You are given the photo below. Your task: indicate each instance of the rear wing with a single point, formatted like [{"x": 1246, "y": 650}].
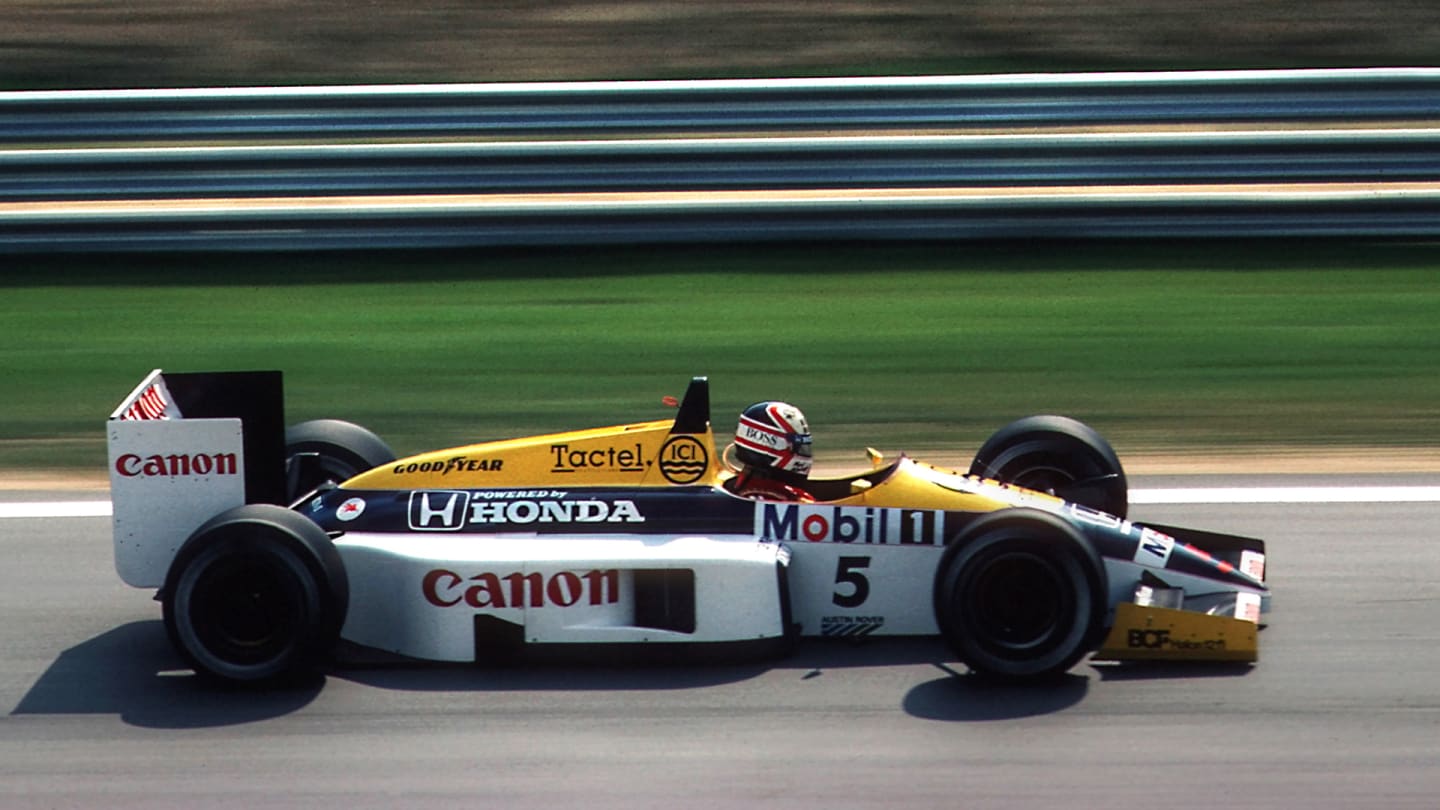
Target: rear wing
[{"x": 184, "y": 448}]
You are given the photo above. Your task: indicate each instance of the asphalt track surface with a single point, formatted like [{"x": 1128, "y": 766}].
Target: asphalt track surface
[{"x": 1343, "y": 709}]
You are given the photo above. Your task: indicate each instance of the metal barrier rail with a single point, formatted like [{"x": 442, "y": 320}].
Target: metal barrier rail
[
  {"x": 1391, "y": 155},
  {"x": 1367, "y": 166},
  {"x": 1347, "y": 210},
  {"x": 590, "y": 109}
]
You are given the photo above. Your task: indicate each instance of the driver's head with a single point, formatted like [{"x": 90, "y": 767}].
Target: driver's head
[{"x": 774, "y": 436}]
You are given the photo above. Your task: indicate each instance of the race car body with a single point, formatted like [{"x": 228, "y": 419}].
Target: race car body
[{"x": 629, "y": 535}]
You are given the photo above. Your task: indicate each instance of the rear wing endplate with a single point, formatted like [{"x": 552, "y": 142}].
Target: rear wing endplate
[{"x": 184, "y": 447}]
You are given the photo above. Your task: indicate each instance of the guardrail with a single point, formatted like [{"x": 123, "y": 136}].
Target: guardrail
[
  {"x": 350, "y": 223},
  {"x": 1389, "y": 155},
  {"x": 593, "y": 109},
  {"x": 1350, "y": 153}
]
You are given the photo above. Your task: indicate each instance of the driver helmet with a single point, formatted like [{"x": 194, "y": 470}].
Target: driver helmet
[{"x": 774, "y": 436}]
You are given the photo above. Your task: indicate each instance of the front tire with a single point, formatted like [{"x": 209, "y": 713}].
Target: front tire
[
  {"x": 257, "y": 595},
  {"x": 1060, "y": 456},
  {"x": 1020, "y": 595}
]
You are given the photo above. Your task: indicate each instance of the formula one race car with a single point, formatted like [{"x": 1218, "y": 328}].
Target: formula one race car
[{"x": 269, "y": 546}]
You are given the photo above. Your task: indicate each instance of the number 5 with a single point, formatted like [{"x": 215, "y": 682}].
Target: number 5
[{"x": 847, "y": 572}]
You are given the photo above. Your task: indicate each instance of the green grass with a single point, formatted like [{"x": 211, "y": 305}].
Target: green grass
[{"x": 1164, "y": 345}]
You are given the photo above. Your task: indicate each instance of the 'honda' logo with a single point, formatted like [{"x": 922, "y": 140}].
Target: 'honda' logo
[{"x": 438, "y": 510}]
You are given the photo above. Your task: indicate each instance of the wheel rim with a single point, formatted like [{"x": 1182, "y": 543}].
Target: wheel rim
[
  {"x": 1017, "y": 602},
  {"x": 326, "y": 470},
  {"x": 246, "y": 609},
  {"x": 1050, "y": 480},
  {"x": 1093, "y": 487},
  {"x": 334, "y": 471}
]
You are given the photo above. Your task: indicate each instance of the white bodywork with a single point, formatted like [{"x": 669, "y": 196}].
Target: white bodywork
[
  {"x": 895, "y": 584},
  {"x": 168, "y": 475},
  {"x": 419, "y": 595}
]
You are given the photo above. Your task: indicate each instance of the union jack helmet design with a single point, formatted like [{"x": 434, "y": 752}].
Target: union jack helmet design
[{"x": 775, "y": 435}]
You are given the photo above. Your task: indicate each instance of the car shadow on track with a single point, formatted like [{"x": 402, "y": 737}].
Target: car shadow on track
[
  {"x": 1160, "y": 670},
  {"x": 132, "y": 672},
  {"x": 962, "y": 697},
  {"x": 958, "y": 696},
  {"x": 630, "y": 667},
  {"x": 965, "y": 697}
]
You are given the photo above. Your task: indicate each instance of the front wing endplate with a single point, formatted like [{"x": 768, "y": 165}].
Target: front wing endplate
[{"x": 1166, "y": 634}]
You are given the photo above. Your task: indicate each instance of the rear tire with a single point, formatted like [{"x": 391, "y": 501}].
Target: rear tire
[
  {"x": 257, "y": 595},
  {"x": 1020, "y": 595},
  {"x": 1060, "y": 456},
  {"x": 329, "y": 451}
]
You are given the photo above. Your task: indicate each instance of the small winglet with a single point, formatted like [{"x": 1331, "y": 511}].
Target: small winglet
[{"x": 694, "y": 415}]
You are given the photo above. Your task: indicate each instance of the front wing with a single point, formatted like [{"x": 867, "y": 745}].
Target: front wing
[{"x": 1152, "y": 633}]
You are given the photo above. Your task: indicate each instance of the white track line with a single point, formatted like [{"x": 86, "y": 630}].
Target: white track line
[
  {"x": 55, "y": 509},
  {"x": 1282, "y": 495},
  {"x": 1175, "y": 496}
]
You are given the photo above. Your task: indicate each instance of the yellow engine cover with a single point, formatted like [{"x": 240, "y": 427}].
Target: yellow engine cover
[{"x": 643, "y": 454}]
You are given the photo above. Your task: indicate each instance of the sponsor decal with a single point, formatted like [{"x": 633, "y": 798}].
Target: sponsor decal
[
  {"x": 1247, "y": 607},
  {"x": 576, "y": 511},
  {"x": 850, "y": 524},
  {"x": 684, "y": 460},
  {"x": 458, "y": 464},
  {"x": 1147, "y": 639},
  {"x": 850, "y": 626},
  {"x": 176, "y": 465},
  {"x": 616, "y": 459},
  {"x": 1253, "y": 563},
  {"x": 757, "y": 436},
  {"x": 1154, "y": 548},
  {"x": 450, "y": 510},
  {"x": 438, "y": 511},
  {"x": 517, "y": 494},
  {"x": 350, "y": 509},
  {"x": 152, "y": 403},
  {"x": 443, "y": 588},
  {"x": 1095, "y": 517}
]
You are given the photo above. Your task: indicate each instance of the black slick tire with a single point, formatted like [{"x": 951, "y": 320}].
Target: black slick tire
[
  {"x": 1020, "y": 595},
  {"x": 256, "y": 596},
  {"x": 1058, "y": 455}
]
